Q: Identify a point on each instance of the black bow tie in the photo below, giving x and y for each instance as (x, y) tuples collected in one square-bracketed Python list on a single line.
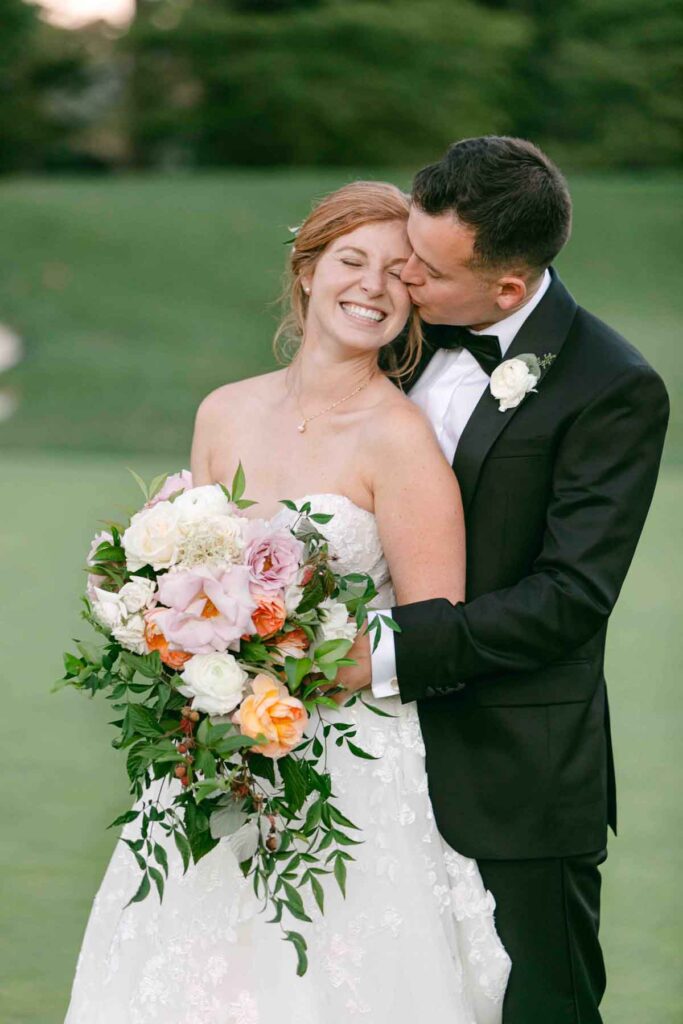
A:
[(484, 347)]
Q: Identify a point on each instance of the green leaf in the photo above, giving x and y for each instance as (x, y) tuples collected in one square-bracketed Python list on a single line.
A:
[(332, 650), (229, 744), (299, 944), (72, 664), (142, 892), (313, 816), (123, 819), (139, 481), (238, 483), (158, 881), (198, 834), (183, 848), (321, 517), (318, 892), (262, 767), (142, 720), (148, 665), (375, 710), (288, 504), (391, 623), (337, 816), (340, 874), (205, 762), (161, 857), (294, 780), (296, 669), (157, 483), (359, 752)]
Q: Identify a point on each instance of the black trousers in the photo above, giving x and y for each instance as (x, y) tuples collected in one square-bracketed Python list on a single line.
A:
[(547, 916)]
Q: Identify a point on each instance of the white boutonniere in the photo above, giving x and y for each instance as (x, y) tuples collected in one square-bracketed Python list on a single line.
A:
[(515, 378)]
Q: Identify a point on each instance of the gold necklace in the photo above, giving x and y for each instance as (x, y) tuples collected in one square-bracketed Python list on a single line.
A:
[(301, 427)]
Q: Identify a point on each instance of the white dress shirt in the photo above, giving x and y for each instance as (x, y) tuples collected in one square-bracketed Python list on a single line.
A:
[(448, 392)]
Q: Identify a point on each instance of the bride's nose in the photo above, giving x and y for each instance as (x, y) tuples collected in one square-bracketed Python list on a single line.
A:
[(373, 281)]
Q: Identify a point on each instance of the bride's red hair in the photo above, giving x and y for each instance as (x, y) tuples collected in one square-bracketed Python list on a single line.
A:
[(342, 211)]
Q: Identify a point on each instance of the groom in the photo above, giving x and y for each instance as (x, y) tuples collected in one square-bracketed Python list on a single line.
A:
[(556, 485)]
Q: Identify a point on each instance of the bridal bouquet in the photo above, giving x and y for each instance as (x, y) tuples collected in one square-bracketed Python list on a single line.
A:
[(221, 635)]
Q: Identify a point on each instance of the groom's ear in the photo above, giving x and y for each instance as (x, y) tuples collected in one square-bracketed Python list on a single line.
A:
[(513, 291)]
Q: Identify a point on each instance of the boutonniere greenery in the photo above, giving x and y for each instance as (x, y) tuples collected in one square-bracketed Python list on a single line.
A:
[(515, 378)]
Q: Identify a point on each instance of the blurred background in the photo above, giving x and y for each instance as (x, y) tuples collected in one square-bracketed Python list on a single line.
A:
[(152, 156)]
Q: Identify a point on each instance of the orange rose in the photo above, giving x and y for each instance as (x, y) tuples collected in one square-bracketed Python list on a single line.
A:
[(271, 710), (156, 641), (293, 644), (270, 615)]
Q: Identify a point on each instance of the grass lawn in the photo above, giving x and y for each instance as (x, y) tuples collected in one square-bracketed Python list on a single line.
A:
[(136, 297)]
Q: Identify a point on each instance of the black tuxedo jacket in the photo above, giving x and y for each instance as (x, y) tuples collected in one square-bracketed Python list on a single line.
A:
[(509, 685)]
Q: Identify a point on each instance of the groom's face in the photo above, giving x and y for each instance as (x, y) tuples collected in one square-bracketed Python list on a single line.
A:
[(440, 280)]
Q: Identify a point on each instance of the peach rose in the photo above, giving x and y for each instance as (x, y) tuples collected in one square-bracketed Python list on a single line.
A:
[(156, 641), (270, 614), (271, 710)]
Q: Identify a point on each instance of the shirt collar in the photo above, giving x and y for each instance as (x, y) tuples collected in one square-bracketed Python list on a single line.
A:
[(506, 329)]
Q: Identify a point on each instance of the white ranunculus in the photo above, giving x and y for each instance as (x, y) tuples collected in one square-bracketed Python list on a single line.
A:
[(108, 608), (137, 594), (511, 381), (152, 537), (216, 681), (131, 634), (198, 502), (335, 623)]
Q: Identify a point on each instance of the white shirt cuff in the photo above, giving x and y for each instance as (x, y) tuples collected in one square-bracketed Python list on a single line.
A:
[(384, 679)]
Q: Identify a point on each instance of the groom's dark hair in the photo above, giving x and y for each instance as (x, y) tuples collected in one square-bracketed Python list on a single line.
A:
[(508, 191)]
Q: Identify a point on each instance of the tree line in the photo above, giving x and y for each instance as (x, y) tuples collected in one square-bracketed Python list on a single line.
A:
[(206, 83)]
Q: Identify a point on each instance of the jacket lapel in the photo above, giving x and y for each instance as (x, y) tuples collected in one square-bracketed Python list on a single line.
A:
[(543, 333)]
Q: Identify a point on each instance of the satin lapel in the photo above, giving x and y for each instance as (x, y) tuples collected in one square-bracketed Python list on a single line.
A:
[(543, 333)]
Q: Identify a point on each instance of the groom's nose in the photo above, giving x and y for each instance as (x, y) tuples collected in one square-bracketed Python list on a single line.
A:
[(412, 271)]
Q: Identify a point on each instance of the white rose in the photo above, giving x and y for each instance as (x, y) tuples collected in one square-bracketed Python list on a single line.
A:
[(216, 681), (108, 608), (137, 594), (131, 634), (511, 381), (198, 502), (335, 624), (152, 537)]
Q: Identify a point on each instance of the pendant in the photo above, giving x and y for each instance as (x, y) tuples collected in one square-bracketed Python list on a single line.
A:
[(302, 426)]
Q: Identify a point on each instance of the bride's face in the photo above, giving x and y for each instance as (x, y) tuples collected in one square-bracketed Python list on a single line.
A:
[(356, 294)]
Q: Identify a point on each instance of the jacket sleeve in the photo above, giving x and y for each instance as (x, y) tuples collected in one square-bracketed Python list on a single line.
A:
[(603, 481)]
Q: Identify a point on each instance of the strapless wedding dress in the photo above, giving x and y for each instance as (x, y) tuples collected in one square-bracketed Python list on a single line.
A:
[(413, 940)]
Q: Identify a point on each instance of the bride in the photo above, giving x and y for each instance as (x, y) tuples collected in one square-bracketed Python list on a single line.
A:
[(415, 934)]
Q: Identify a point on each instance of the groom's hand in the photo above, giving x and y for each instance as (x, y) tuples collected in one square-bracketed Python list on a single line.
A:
[(358, 676)]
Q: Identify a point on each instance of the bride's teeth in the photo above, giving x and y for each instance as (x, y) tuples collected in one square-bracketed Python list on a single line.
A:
[(366, 314)]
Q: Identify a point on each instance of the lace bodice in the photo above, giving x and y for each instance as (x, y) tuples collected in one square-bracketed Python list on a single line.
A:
[(413, 939), (354, 539)]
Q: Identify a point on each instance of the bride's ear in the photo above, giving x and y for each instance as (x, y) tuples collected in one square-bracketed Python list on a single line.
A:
[(306, 280)]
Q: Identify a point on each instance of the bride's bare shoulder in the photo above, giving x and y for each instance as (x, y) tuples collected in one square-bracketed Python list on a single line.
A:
[(231, 401), (397, 421)]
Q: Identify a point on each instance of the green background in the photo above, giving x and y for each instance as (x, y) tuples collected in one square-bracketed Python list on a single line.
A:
[(135, 298)]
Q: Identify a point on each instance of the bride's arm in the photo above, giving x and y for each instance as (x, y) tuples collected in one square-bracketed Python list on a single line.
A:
[(207, 424), (419, 510)]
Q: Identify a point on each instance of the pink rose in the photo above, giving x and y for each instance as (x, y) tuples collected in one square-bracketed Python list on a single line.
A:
[(172, 484), (208, 609), (273, 556)]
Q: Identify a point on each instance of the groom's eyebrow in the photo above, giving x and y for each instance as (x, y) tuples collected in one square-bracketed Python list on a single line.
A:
[(429, 266)]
